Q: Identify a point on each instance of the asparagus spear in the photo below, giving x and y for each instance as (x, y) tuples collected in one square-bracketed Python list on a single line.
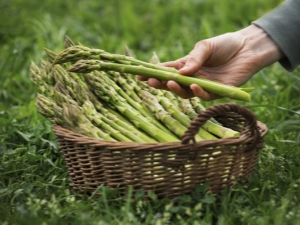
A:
[(120, 133), (50, 54), (138, 105), (96, 118), (186, 107), (154, 58), (199, 108), (118, 119), (83, 94), (45, 105), (164, 116), (35, 74), (68, 42), (214, 128), (128, 86), (85, 66), (183, 118), (106, 93), (77, 52), (75, 120)]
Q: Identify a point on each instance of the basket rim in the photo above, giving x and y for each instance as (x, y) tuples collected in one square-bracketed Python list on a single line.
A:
[(73, 136)]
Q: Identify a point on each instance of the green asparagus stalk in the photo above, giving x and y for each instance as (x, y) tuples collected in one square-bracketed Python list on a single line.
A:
[(68, 42), (171, 97), (83, 96), (85, 66), (154, 59), (110, 125), (37, 79), (106, 93), (45, 106), (61, 88), (199, 108), (214, 128), (128, 52), (77, 52), (46, 72), (136, 105), (127, 86), (35, 75), (58, 112), (174, 125), (196, 104), (182, 118), (118, 119), (50, 54), (96, 118), (76, 121)]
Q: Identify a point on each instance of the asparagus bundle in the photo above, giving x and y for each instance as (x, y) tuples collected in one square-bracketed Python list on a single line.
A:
[(108, 102), (88, 59)]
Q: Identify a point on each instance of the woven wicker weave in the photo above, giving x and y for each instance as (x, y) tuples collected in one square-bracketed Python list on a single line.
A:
[(167, 169)]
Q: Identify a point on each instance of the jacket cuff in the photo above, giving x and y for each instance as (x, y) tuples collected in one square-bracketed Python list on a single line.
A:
[(283, 25)]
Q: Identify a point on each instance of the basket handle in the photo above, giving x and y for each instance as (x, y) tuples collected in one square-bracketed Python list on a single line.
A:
[(249, 129)]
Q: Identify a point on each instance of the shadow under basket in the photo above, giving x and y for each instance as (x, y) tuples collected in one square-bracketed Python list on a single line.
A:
[(167, 169)]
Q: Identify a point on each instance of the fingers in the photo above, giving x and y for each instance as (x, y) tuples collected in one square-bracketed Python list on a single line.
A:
[(177, 64), (192, 91), (196, 58), (142, 78), (181, 91), (152, 82), (204, 95)]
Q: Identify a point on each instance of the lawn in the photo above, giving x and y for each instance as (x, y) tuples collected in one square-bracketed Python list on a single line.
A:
[(34, 183)]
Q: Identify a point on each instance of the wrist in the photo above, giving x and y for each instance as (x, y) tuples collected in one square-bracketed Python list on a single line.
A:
[(262, 45)]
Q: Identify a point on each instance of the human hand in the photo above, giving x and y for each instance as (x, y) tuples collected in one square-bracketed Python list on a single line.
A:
[(231, 58)]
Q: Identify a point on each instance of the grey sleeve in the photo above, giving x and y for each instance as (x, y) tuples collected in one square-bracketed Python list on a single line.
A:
[(283, 26)]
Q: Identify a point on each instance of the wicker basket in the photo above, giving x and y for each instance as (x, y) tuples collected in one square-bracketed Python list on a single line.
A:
[(167, 169)]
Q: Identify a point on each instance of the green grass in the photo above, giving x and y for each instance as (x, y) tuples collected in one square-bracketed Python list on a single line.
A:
[(34, 184)]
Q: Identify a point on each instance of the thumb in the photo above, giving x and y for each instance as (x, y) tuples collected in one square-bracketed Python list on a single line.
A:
[(196, 58)]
